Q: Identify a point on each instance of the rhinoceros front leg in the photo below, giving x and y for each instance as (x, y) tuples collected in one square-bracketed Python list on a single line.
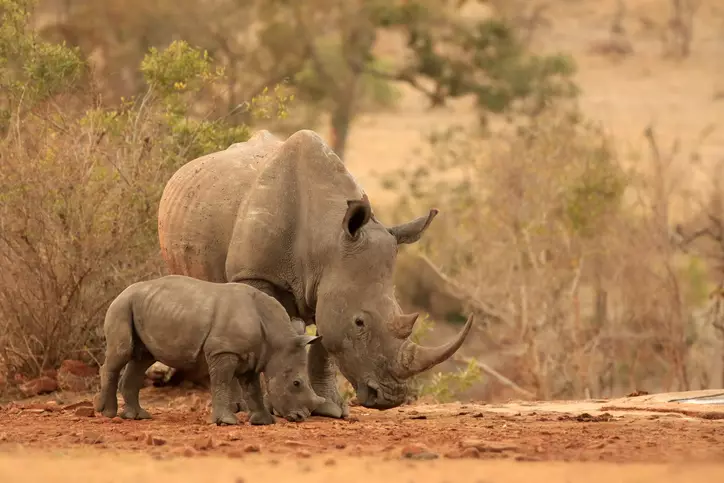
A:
[(222, 373), (258, 412), (323, 376)]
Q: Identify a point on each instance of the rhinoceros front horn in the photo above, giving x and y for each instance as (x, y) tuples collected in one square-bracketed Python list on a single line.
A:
[(413, 359)]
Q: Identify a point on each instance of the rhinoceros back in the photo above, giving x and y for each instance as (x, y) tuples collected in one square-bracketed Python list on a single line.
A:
[(200, 203)]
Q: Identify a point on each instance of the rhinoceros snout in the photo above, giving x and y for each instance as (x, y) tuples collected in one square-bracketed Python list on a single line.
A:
[(370, 396)]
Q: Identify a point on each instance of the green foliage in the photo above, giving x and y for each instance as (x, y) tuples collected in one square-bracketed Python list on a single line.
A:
[(178, 69), (483, 58), (444, 387), (441, 387), (31, 70)]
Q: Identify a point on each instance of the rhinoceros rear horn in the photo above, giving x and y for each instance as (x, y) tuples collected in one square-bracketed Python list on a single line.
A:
[(403, 324), (413, 359), (358, 214), (412, 231)]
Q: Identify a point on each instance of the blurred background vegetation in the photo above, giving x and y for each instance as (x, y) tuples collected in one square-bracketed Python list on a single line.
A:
[(587, 238)]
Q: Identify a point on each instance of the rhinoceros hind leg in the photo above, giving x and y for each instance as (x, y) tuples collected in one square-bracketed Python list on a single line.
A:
[(131, 384), (119, 351), (323, 376)]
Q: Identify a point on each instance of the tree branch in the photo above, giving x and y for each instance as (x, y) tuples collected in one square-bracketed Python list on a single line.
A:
[(501, 378), (457, 291)]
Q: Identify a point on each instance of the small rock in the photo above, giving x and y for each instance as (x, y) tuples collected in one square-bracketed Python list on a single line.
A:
[(303, 453), (252, 448), (340, 445), (152, 440), (85, 412), (76, 376), (329, 462), (92, 437), (84, 403), (235, 454), (188, 451), (41, 385), (353, 419), (487, 446), (470, 452), (417, 451), (204, 443), (34, 410)]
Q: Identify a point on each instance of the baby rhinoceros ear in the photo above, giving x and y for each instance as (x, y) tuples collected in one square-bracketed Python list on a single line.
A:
[(302, 340)]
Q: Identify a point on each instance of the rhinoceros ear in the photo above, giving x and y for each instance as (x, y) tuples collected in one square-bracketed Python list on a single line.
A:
[(412, 231), (358, 214)]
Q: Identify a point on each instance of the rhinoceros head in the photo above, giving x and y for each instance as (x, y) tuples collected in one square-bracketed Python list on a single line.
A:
[(290, 392), (359, 317)]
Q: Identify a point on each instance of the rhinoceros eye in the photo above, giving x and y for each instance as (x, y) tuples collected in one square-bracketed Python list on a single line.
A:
[(359, 322), (297, 383)]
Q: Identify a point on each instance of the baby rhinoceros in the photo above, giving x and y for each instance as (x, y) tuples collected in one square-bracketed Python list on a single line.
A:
[(234, 329)]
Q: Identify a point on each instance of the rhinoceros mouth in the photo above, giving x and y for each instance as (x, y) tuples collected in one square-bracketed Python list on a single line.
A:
[(371, 395)]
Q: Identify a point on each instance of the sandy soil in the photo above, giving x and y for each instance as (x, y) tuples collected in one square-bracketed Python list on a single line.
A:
[(449, 442)]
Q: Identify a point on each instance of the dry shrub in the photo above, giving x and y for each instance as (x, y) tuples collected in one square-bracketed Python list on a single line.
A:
[(578, 284), (79, 188)]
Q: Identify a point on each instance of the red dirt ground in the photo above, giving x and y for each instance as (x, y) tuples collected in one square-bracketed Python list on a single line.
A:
[(449, 436)]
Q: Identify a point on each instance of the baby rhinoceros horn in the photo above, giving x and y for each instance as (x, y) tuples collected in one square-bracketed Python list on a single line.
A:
[(413, 359)]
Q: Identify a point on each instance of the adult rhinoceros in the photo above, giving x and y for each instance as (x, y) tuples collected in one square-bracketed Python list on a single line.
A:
[(288, 218)]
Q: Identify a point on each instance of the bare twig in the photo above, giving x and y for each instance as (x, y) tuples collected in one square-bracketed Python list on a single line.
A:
[(457, 291), (501, 378)]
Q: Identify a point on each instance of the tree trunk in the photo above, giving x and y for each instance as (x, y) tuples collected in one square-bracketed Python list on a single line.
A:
[(341, 121)]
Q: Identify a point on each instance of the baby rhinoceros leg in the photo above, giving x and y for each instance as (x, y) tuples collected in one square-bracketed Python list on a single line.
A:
[(222, 371), (119, 351), (238, 401), (131, 384), (258, 412)]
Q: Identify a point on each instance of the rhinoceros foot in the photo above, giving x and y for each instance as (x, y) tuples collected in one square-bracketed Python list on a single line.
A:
[(134, 413), (261, 418), (226, 420), (330, 409)]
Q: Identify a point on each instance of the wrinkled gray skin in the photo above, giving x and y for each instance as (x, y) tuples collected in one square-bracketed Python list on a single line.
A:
[(289, 219), (232, 329)]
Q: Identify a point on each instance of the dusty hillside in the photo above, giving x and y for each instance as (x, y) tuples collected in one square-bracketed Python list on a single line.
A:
[(680, 98)]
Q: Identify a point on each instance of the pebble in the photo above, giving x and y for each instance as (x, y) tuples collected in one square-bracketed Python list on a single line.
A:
[(152, 440), (85, 412), (303, 453), (92, 437), (252, 448), (487, 446), (418, 452), (329, 462), (340, 445), (471, 452), (204, 443)]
